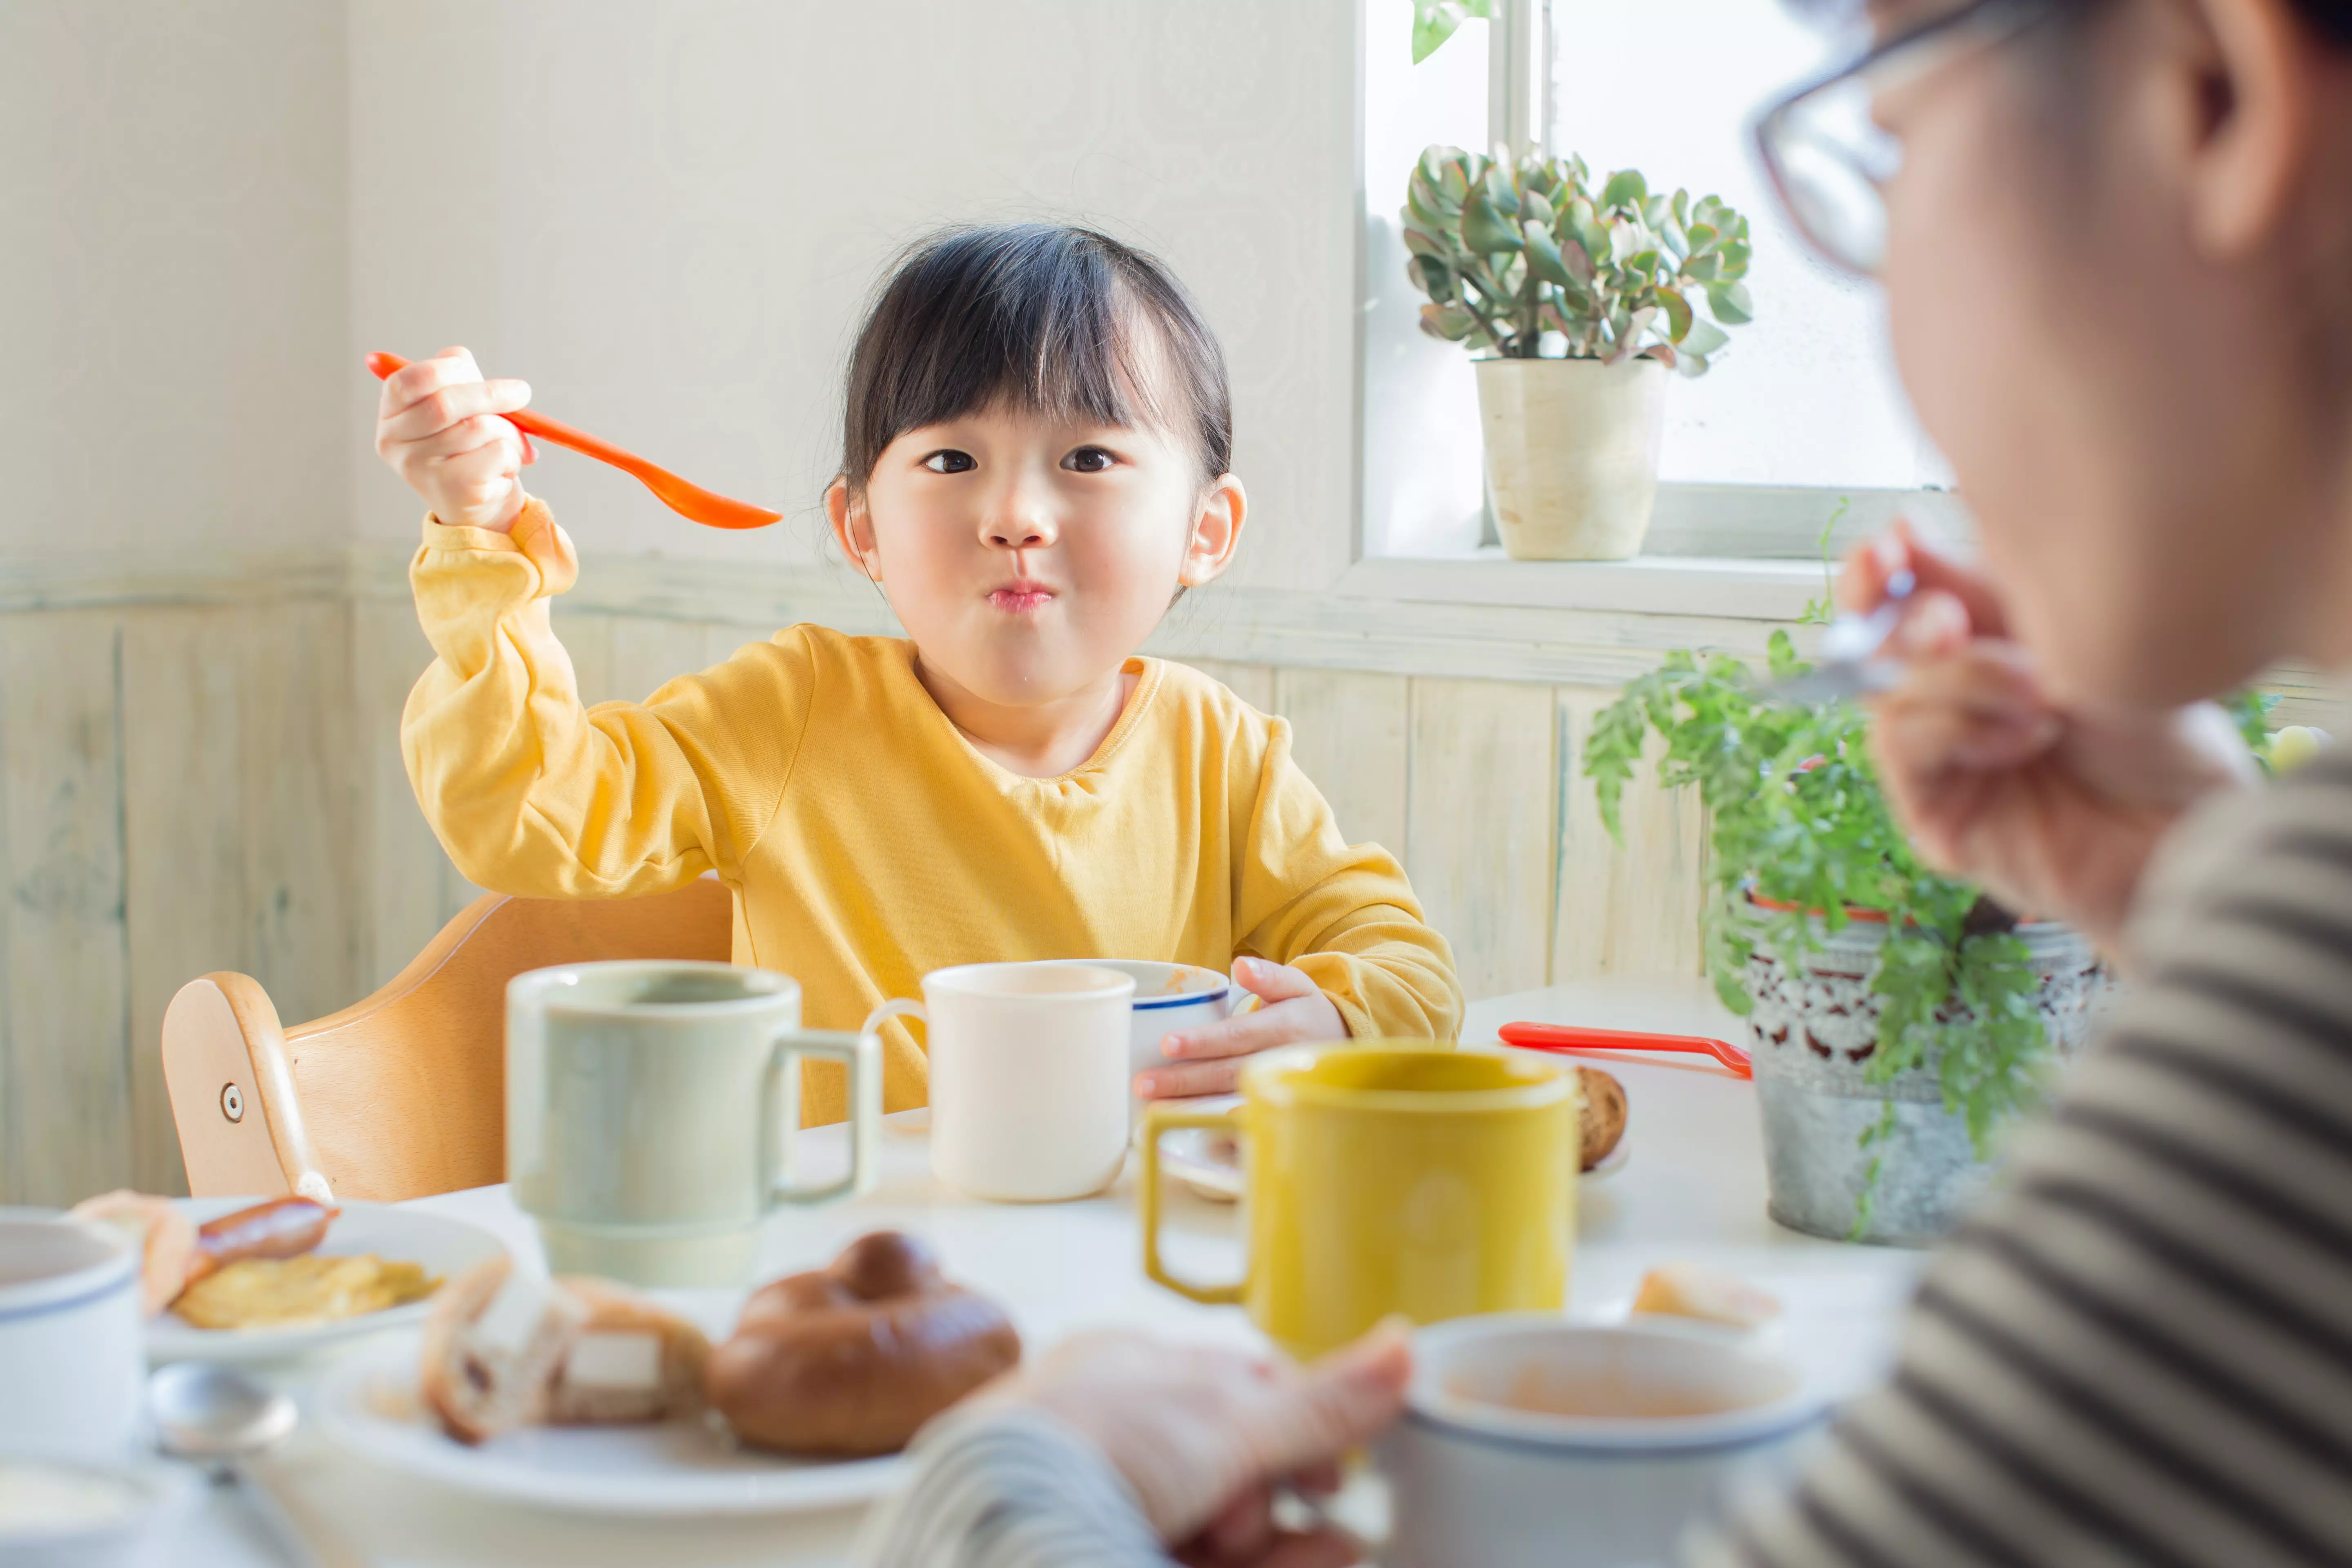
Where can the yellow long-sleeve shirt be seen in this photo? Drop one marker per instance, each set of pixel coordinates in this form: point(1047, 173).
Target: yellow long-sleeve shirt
point(866, 841)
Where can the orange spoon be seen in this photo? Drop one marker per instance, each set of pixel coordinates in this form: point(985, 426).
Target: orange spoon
point(690, 502)
point(1568, 1038)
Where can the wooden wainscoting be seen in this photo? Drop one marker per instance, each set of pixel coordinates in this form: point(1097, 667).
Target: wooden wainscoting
point(178, 798)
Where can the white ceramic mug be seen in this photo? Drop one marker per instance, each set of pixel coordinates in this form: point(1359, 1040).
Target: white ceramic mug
point(1028, 1077)
point(1168, 997)
point(1663, 1417)
point(653, 1108)
point(73, 1362)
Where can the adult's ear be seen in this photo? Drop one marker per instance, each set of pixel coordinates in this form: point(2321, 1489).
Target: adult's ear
point(1216, 532)
point(2251, 70)
point(852, 529)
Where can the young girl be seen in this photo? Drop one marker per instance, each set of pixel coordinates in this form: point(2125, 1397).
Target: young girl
point(1035, 467)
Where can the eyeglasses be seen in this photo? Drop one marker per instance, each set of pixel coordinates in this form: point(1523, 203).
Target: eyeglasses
point(1827, 155)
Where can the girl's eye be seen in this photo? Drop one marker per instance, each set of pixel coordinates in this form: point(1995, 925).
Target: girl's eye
point(950, 462)
point(1089, 460)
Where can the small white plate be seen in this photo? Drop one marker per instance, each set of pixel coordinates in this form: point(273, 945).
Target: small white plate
point(1204, 1159)
point(445, 1246)
point(369, 1405)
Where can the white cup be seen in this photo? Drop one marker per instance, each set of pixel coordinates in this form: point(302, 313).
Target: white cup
point(1028, 1077)
point(1478, 1480)
point(1168, 997)
point(73, 1361)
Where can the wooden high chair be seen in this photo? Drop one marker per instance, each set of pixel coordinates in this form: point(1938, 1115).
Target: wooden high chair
point(405, 1094)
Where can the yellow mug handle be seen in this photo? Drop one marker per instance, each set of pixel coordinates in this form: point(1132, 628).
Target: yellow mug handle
point(1165, 1118)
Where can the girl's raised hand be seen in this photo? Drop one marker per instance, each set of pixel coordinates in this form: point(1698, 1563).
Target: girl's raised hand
point(439, 424)
point(1209, 1059)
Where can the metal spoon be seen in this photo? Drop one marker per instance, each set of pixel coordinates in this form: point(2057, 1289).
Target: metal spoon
point(1849, 664)
point(221, 1418)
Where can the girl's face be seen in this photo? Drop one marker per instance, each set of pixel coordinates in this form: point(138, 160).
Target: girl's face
point(1029, 557)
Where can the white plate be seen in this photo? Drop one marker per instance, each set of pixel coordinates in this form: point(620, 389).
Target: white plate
point(1200, 1157)
point(445, 1246)
point(369, 1405)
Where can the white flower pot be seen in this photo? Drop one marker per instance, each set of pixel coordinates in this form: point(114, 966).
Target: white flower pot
point(1572, 454)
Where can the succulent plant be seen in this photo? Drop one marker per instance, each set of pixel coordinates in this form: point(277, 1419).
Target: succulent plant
point(1527, 262)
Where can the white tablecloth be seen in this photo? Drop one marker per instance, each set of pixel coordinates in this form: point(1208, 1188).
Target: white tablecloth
point(1691, 1190)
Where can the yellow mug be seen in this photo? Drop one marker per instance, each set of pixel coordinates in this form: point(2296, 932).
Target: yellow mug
point(1386, 1177)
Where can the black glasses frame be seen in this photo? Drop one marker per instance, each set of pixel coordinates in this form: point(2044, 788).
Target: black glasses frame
point(2001, 19)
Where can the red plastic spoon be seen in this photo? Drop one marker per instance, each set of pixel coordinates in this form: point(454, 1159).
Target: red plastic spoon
point(690, 502)
point(1568, 1037)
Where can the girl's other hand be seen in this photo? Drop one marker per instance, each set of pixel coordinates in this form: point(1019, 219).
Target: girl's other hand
point(2055, 810)
point(1209, 1059)
point(1205, 1435)
point(439, 425)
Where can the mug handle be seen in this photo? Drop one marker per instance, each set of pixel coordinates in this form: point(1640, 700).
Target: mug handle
point(1159, 1119)
point(861, 1056)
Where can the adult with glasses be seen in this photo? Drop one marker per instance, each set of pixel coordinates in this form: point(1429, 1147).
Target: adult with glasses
point(2115, 237)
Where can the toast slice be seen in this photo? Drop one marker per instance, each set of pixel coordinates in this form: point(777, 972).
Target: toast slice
point(492, 1346)
point(630, 1361)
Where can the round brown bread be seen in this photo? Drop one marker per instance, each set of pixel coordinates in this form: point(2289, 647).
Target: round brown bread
point(853, 1359)
point(1601, 1114)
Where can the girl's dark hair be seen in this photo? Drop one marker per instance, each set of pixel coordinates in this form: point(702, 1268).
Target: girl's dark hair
point(1044, 318)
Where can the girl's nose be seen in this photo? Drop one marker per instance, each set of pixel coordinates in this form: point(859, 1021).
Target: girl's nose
point(1020, 523)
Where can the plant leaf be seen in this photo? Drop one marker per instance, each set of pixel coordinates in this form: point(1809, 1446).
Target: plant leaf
point(1451, 322)
point(1703, 338)
point(1484, 229)
point(1579, 265)
point(1730, 303)
point(1678, 315)
point(1662, 352)
point(1432, 277)
point(1625, 188)
point(1420, 243)
point(1544, 259)
point(1434, 21)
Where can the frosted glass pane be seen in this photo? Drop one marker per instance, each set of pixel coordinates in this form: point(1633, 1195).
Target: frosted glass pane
point(1806, 395)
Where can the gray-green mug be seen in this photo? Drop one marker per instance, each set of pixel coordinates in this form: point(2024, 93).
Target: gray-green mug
point(653, 1110)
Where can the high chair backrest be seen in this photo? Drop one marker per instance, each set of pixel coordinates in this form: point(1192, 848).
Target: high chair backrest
point(405, 1094)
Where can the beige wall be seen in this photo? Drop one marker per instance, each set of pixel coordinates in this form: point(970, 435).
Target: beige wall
point(667, 217)
point(172, 277)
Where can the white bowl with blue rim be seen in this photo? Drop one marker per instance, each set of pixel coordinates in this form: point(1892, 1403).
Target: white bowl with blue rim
point(1169, 996)
point(1528, 1438)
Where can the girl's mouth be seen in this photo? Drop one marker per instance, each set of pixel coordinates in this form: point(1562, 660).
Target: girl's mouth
point(1021, 597)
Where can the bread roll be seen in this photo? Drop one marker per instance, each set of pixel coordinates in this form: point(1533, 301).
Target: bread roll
point(492, 1344)
point(629, 1361)
point(852, 1359)
point(1601, 1114)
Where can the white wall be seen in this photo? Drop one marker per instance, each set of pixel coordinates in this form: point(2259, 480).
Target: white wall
point(170, 277)
point(665, 217)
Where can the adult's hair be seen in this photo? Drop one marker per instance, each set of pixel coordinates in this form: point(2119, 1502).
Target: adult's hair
point(2333, 19)
point(1044, 318)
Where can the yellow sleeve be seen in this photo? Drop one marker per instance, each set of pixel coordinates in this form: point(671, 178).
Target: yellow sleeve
point(532, 794)
point(1344, 913)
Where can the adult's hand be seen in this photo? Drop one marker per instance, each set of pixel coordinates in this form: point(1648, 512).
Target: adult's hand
point(2056, 811)
point(1205, 1435)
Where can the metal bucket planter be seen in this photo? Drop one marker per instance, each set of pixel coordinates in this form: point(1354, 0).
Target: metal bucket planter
point(1811, 1035)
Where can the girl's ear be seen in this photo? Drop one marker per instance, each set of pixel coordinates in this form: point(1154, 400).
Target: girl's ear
point(852, 529)
point(1216, 532)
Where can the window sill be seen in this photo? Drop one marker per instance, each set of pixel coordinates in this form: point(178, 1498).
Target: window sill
point(1726, 587)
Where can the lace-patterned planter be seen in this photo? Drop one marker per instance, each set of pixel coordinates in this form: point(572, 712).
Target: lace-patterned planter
point(1811, 1035)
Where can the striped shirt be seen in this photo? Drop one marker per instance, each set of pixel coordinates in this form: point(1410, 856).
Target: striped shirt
point(2139, 1351)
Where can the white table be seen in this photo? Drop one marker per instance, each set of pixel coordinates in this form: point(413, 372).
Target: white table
point(1691, 1190)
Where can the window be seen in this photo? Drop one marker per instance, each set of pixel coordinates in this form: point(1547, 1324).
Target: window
point(1803, 409)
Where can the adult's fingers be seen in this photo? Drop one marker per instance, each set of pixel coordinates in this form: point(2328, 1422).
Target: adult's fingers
point(1862, 584)
point(1349, 1397)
